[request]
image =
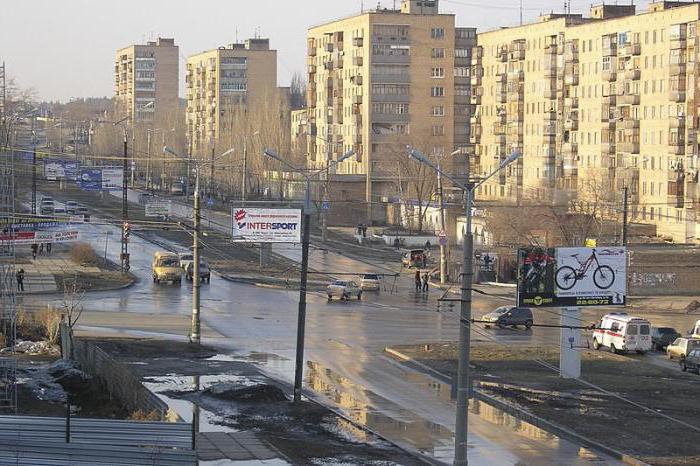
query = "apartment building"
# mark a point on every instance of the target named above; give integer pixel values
(146, 81)
(223, 81)
(595, 104)
(382, 80)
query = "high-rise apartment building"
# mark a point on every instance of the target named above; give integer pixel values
(595, 104)
(146, 81)
(223, 81)
(385, 79)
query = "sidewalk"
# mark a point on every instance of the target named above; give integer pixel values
(40, 274)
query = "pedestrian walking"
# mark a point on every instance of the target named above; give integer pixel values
(359, 229)
(364, 231)
(397, 244)
(426, 280)
(428, 245)
(48, 248)
(20, 280)
(41, 248)
(418, 282)
(35, 248)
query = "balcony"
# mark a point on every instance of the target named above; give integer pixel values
(516, 55)
(628, 99)
(631, 49)
(357, 61)
(550, 116)
(515, 96)
(571, 102)
(571, 79)
(499, 128)
(475, 80)
(329, 47)
(516, 75)
(607, 148)
(609, 100)
(569, 149)
(676, 122)
(358, 41)
(629, 123)
(677, 96)
(501, 97)
(609, 75)
(609, 49)
(629, 147)
(501, 78)
(676, 69)
(550, 71)
(676, 147)
(357, 80)
(475, 99)
(500, 139)
(312, 69)
(549, 93)
(571, 125)
(633, 74)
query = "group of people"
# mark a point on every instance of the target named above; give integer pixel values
(422, 282)
(39, 249)
(362, 230)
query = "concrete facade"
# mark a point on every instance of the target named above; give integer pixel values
(146, 81)
(595, 104)
(382, 80)
(223, 81)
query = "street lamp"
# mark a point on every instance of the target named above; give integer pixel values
(463, 384)
(301, 322)
(244, 184)
(195, 331)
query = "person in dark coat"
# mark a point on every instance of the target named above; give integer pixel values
(418, 281)
(20, 280)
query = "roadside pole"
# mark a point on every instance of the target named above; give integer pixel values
(244, 182)
(569, 356)
(301, 324)
(125, 206)
(195, 336)
(33, 167)
(625, 213)
(443, 247)
(148, 159)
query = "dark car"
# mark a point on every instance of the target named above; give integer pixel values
(204, 272)
(691, 362)
(661, 337)
(509, 316)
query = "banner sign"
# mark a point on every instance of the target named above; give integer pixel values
(35, 237)
(90, 179)
(55, 169)
(572, 277)
(112, 179)
(266, 225)
(159, 208)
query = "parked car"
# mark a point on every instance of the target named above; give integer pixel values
(370, 282)
(177, 188)
(661, 337)
(82, 210)
(204, 272)
(691, 362)
(506, 316)
(344, 290)
(47, 206)
(59, 210)
(166, 267)
(186, 258)
(681, 347)
(621, 332)
(72, 207)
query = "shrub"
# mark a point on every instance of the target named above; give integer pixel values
(84, 254)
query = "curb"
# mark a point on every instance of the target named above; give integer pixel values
(274, 283)
(524, 415)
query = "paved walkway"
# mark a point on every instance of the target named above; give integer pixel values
(40, 273)
(236, 446)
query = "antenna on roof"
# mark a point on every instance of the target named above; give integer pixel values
(521, 12)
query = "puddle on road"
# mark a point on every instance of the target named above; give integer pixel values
(272, 462)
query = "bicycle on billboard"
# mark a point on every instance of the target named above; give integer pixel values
(567, 276)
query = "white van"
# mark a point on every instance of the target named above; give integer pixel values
(696, 330)
(621, 332)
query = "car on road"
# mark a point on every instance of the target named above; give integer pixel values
(47, 206)
(370, 282)
(59, 210)
(82, 210)
(72, 207)
(509, 316)
(691, 362)
(343, 289)
(186, 258)
(177, 188)
(204, 272)
(681, 347)
(621, 332)
(661, 337)
(166, 267)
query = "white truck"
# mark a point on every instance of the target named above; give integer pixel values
(621, 332)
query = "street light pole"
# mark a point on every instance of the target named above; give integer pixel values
(443, 247)
(244, 183)
(195, 335)
(465, 317)
(125, 206)
(148, 159)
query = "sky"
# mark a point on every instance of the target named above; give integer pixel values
(65, 48)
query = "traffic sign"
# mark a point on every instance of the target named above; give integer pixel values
(442, 238)
(326, 205)
(210, 202)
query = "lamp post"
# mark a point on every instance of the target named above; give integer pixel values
(463, 383)
(195, 330)
(301, 319)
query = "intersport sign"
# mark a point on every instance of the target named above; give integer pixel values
(265, 225)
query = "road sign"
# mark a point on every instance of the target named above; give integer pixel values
(326, 205)
(266, 225)
(90, 179)
(210, 202)
(159, 208)
(442, 238)
(567, 277)
(112, 179)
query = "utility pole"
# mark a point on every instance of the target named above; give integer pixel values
(195, 336)
(443, 247)
(148, 159)
(625, 212)
(33, 168)
(244, 186)
(324, 197)
(125, 206)
(211, 178)
(301, 323)
(75, 141)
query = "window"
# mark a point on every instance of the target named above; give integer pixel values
(390, 108)
(437, 33)
(437, 92)
(438, 72)
(462, 72)
(462, 53)
(438, 130)
(461, 89)
(439, 110)
(438, 52)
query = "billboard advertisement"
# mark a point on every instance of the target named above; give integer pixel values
(266, 225)
(159, 208)
(112, 179)
(55, 169)
(572, 277)
(35, 237)
(90, 179)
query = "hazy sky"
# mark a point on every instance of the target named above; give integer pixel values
(66, 48)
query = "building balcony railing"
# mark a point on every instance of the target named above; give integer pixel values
(569, 149)
(628, 99)
(358, 41)
(676, 69)
(571, 79)
(628, 147)
(631, 49)
(571, 125)
(516, 75)
(629, 123)
(571, 102)
(609, 75)
(633, 74)
(475, 99)
(677, 96)
(609, 49)
(516, 55)
(607, 148)
(677, 122)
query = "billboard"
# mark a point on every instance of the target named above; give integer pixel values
(112, 179)
(55, 169)
(159, 208)
(35, 237)
(90, 179)
(572, 277)
(266, 225)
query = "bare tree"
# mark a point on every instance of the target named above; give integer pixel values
(297, 92)
(72, 304)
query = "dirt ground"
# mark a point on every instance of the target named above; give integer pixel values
(305, 433)
(516, 376)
